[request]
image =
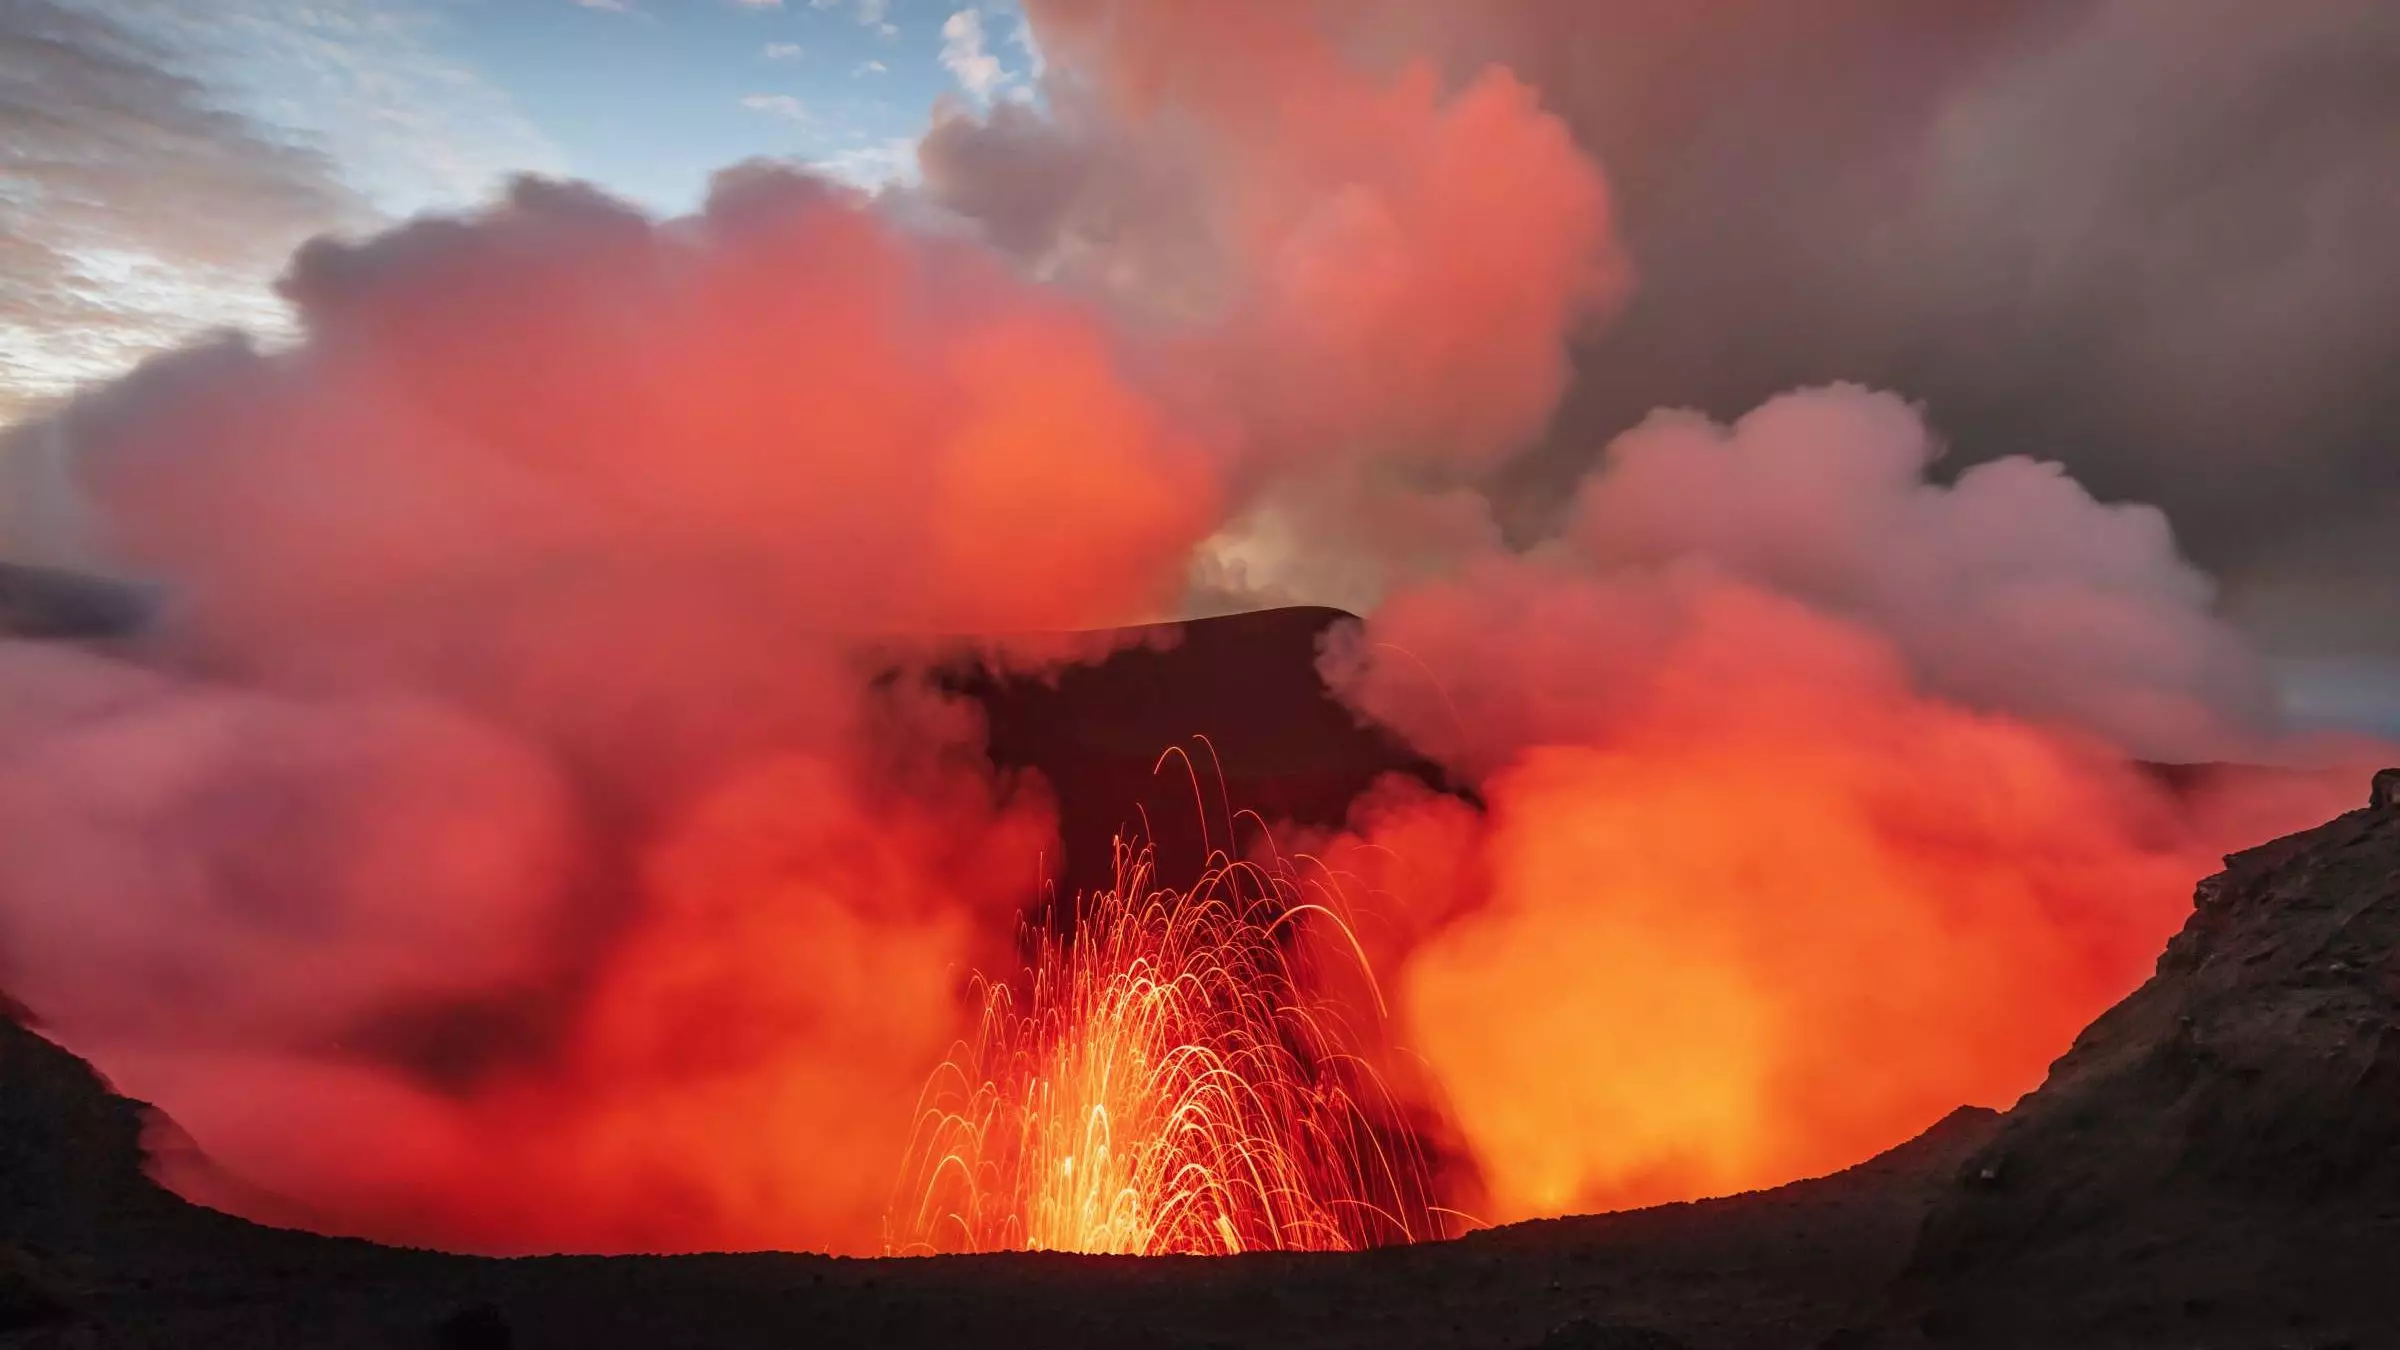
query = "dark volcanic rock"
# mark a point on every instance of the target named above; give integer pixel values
(71, 1174)
(482, 1327)
(1586, 1334)
(2217, 1160)
(31, 1293)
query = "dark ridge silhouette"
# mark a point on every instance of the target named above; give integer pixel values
(2216, 1163)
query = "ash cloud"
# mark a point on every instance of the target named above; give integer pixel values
(2150, 238)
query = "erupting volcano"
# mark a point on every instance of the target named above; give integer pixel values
(621, 727)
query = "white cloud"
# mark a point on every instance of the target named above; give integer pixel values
(875, 165)
(976, 70)
(366, 80)
(759, 4)
(875, 14)
(1022, 38)
(783, 51)
(612, 6)
(777, 105)
(871, 68)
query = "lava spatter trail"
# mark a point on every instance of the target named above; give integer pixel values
(1167, 1079)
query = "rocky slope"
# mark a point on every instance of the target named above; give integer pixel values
(2217, 1160)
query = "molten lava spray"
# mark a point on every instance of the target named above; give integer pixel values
(1166, 1081)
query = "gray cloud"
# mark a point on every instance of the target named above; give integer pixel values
(136, 206)
(164, 159)
(2152, 239)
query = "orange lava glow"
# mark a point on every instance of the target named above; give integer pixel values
(1164, 1082)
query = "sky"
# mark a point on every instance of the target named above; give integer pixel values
(347, 115)
(650, 97)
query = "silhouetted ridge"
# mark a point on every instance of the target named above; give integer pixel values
(71, 1160)
(2218, 1156)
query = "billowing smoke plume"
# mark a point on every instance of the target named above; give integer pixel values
(2145, 237)
(2010, 589)
(530, 825)
(1385, 265)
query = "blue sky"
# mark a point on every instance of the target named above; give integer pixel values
(649, 97)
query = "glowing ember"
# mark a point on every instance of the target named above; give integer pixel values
(1169, 1085)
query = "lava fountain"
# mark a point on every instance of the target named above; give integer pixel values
(1165, 1079)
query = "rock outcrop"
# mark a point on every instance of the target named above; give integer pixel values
(71, 1160)
(2217, 1159)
